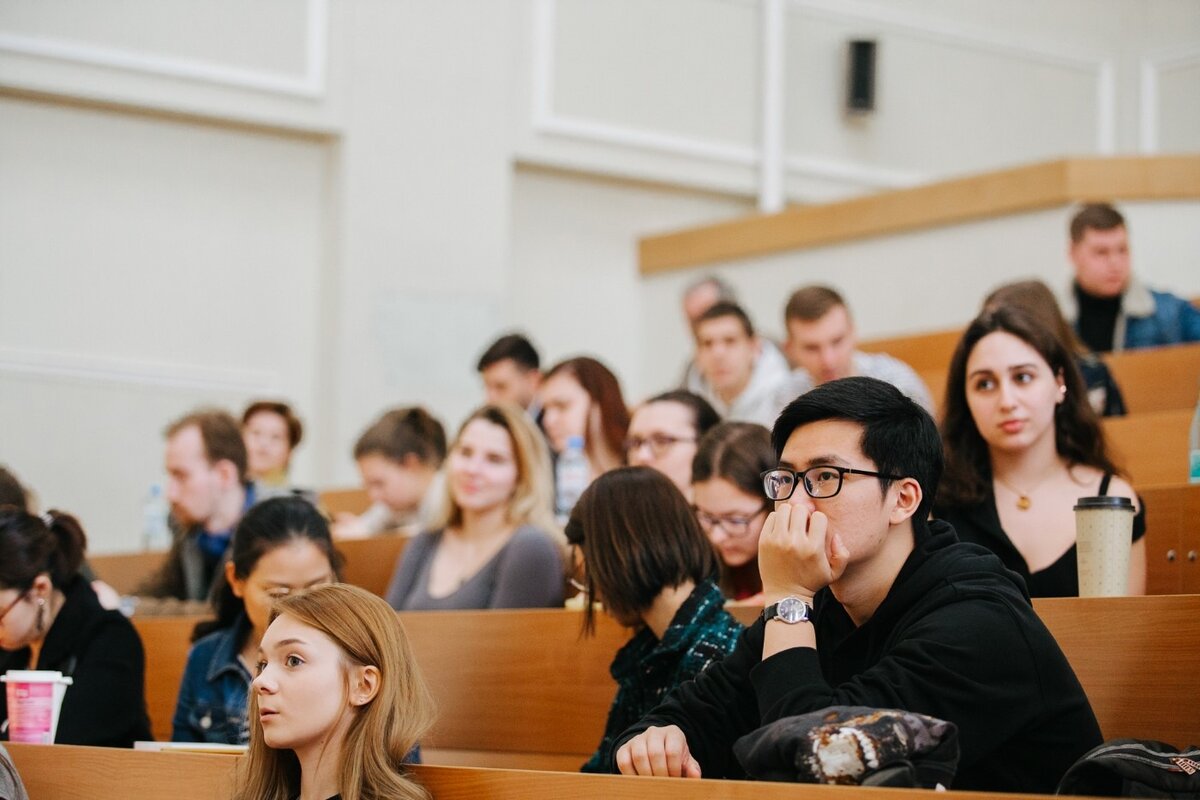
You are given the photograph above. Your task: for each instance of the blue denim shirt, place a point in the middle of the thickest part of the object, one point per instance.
(212, 704)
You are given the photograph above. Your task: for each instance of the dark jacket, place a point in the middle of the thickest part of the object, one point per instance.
(101, 651)
(213, 695)
(645, 669)
(955, 638)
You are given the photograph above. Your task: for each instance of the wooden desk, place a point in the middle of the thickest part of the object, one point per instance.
(61, 772)
(1172, 539)
(67, 772)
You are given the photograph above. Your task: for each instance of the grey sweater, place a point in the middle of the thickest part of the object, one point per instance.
(526, 573)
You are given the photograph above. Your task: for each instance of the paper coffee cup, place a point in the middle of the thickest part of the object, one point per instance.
(34, 699)
(1103, 538)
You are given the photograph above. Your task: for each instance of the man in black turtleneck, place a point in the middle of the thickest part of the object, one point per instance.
(1111, 308)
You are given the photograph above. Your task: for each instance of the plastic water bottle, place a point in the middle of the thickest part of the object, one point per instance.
(1194, 448)
(570, 477)
(156, 534)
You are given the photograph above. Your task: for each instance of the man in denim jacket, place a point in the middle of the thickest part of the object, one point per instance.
(1111, 309)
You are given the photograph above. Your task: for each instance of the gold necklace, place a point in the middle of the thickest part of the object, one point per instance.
(1023, 500)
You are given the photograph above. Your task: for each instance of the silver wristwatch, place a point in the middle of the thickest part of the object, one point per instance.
(790, 610)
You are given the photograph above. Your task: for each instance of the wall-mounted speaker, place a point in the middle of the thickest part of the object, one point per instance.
(860, 76)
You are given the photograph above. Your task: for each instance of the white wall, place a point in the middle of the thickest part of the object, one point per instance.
(342, 203)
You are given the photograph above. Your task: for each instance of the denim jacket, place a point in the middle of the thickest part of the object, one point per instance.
(1148, 318)
(212, 704)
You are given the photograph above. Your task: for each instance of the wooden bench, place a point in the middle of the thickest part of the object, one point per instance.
(1151, 379)
(1157, 379)
(1152, 447)
(61, 772)
(503, 679)
(343, 501)
(369, 563)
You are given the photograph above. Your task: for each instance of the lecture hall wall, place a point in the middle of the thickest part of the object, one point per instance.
(340, 203)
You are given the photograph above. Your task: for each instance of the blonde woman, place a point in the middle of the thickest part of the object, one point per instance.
(337, 703)
(496, 545)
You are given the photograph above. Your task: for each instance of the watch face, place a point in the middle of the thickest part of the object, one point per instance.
(792, 610)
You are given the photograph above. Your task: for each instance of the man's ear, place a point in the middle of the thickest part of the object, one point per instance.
(364, 685)
(227, 471)
(908, 496)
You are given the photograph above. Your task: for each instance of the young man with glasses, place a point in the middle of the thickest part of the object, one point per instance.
(868, 604)
(664, 432)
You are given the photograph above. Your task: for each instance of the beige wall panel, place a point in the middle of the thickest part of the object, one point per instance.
(942, 107)
(264, 35)
(679, 67)
(575, 284)
(146, 266)
(1179, 108)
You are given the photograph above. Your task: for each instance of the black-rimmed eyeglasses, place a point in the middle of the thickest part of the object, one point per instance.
(821, 481)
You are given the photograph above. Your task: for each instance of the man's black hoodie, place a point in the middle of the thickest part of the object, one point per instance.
(955, 638)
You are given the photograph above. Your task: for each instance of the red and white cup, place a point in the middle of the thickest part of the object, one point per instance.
(34, 699)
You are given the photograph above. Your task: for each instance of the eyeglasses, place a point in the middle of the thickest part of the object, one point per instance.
(13, 605)
(734, 525)
(821, 481)
(659, 443)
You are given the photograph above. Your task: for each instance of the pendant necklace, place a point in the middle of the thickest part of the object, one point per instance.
(1023, 499)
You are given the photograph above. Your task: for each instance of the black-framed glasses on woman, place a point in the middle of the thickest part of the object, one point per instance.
(820, 482)
(734, 525)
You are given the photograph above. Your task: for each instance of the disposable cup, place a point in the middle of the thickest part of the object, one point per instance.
(34, 699)
(1103, 538)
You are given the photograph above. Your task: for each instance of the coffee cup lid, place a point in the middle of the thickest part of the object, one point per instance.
(1103, 502)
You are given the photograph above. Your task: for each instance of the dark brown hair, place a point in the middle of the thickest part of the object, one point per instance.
(1078, 436)
(12, 493)
(1095, 216)
(739, 452)
(704, 416)
(810, 303)
(402, 432)
(605, 390)
(638, 536)
(1036, 299)
(220, 434)
(727, 309)
(30, 545)
(295, 428)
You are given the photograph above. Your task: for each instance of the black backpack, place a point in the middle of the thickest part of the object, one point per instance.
(1135, 768)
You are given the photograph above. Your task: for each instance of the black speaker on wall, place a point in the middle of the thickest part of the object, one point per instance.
(860, 76)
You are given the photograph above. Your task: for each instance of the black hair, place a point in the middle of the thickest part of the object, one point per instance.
(898, 435)
(30, 545)
(266, 526)
(513, 347)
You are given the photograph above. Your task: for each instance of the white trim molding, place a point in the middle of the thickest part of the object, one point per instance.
(1151, 67)
(17, 362)
(311, 84)
(547, 121)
